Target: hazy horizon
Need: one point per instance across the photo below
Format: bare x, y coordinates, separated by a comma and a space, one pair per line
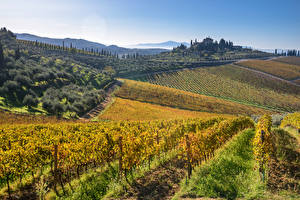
259, 24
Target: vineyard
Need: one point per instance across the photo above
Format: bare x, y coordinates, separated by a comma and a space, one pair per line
293, 60
280, 69
151, 93
233, 83
69, 148
125, 109
257, 80
292, 120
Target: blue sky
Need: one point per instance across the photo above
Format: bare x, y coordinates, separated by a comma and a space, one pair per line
257, 23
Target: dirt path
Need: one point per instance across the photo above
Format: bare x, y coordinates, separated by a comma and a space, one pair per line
157, 184
266, 74
99, 108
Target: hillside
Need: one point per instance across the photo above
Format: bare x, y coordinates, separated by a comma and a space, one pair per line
150, 93
280, 69
126, 109
293, 60
167, 45
85, 44
139, 63
35, 82
211, 50
233, 83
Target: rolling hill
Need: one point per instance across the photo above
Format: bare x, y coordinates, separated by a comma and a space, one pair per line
85, 44
165, 96
165, 45
233, 83
126, 109
280, 69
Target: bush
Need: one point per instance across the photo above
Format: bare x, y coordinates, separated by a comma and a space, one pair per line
47, 105
23, 80
11, 86
58, 108
30, 101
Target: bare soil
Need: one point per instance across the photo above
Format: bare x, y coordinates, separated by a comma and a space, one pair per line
160, 183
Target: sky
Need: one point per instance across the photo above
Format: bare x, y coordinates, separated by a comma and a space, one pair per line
264, 24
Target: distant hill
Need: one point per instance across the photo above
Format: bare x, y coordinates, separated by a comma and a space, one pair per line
165, 45
81, 43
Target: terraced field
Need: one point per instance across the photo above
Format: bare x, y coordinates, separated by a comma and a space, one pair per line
125, 109
233, 83
280, 69
150, 93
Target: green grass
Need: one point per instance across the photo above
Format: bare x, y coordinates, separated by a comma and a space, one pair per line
229, 175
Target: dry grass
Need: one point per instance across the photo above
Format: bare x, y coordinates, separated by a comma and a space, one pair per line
283, 70
125, 109
150, 93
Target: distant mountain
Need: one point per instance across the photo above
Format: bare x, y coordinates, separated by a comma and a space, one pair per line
81, 43
165, 45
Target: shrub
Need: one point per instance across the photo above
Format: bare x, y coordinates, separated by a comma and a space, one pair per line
11, 86
30, 101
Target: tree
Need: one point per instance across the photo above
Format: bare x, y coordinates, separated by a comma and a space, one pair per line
1, 57
17, 54
58, 108
222, 44
30, 101
11, 86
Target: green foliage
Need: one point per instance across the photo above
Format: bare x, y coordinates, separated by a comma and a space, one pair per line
1, 57
31, 76
30, 101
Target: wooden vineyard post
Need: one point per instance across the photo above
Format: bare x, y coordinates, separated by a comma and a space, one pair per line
188, 155
55, 167
120, 156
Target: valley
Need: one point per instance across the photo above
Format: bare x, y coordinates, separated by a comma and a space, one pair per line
211, 120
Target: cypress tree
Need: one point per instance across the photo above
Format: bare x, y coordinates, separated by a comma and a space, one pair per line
17, 54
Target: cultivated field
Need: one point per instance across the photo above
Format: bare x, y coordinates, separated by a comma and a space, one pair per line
146, 92
234, 83
280, 69
293, 60
126, 109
